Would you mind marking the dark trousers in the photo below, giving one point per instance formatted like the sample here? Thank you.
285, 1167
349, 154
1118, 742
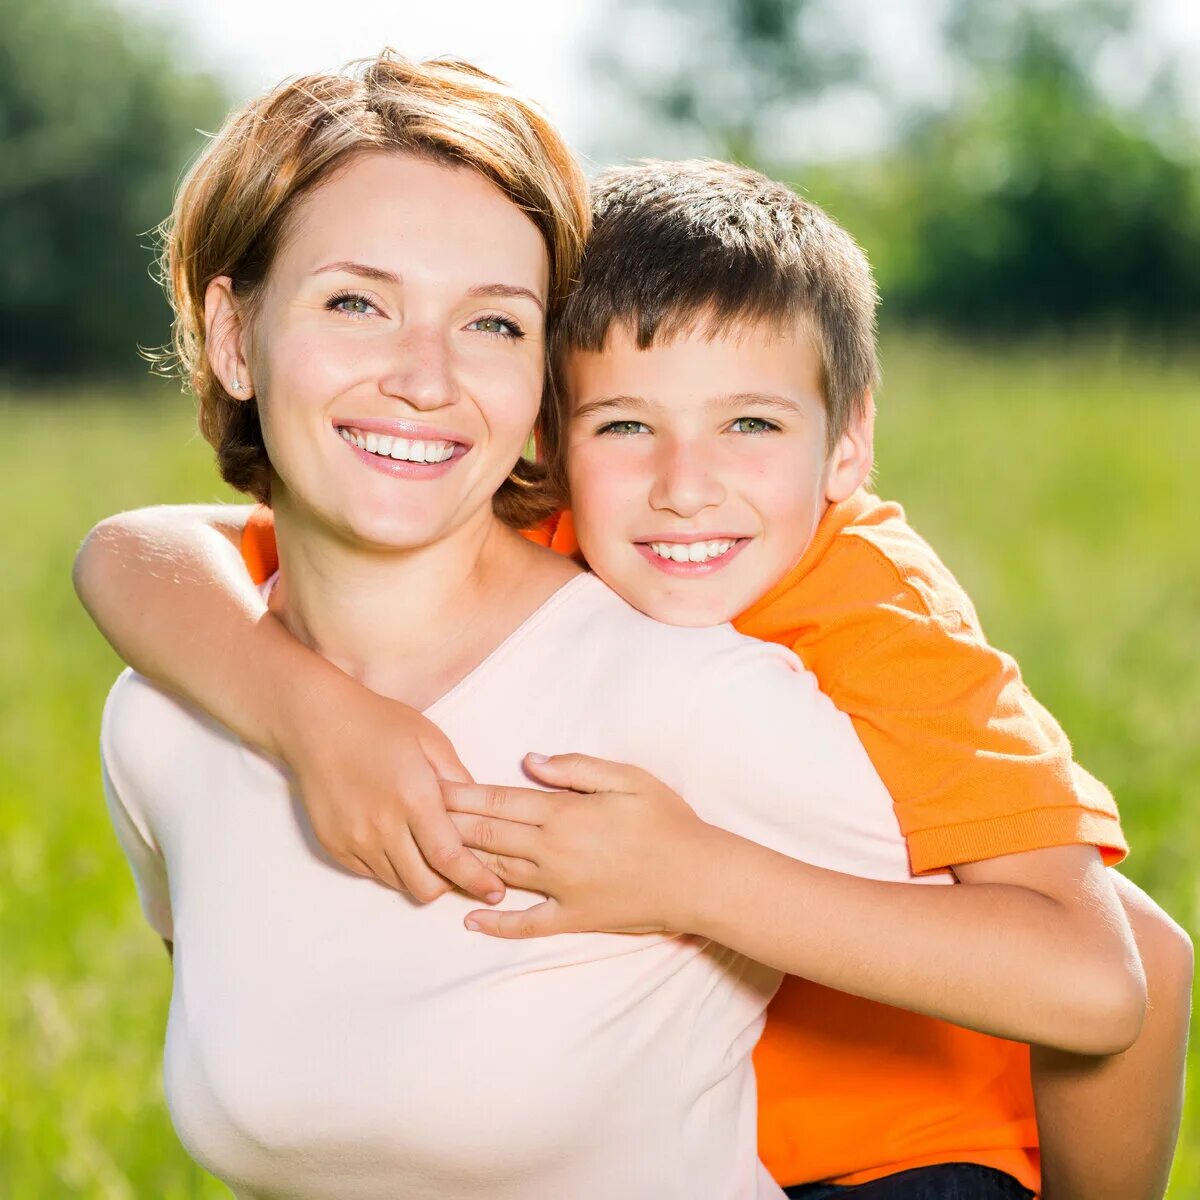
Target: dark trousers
945, 1181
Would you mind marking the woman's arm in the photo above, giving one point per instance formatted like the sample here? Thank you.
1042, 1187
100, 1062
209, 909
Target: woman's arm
1108, 1126
167, 587
1033, 948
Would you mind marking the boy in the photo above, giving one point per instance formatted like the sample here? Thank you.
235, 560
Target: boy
718, 358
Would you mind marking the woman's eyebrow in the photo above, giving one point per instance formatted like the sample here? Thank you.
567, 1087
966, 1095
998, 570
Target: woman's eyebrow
505, 289
382, 276
353, 268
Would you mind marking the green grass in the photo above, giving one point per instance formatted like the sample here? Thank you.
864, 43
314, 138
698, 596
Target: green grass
1056, 481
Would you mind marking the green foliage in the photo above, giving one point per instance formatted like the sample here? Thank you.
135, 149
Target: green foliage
1054, 481
1037, 202
1027, 198
97, 122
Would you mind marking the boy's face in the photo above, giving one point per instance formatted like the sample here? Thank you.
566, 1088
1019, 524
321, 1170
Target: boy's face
698, 468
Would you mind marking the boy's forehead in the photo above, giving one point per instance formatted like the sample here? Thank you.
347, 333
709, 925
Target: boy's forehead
718, 358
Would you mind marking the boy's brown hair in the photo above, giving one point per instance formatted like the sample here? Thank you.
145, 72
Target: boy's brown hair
234, 208
676, 243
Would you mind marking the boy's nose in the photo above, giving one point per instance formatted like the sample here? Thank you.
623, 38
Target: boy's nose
685, 481
420, 370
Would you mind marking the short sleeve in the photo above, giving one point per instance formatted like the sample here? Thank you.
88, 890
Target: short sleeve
773, 760
259, 551
976, 766
119, 739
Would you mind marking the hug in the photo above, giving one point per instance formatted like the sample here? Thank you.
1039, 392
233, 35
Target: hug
786, 879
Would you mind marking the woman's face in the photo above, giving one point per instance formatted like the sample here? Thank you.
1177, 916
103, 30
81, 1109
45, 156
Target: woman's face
397, 355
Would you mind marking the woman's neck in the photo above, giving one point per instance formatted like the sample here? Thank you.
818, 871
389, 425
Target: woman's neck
394, 619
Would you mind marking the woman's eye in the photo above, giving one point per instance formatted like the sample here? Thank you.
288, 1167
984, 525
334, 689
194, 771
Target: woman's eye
753, 425
351, 304
498, 327
624, 428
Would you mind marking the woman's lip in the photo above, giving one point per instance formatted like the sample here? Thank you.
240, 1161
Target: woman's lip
391, 427
399, 468
685, 569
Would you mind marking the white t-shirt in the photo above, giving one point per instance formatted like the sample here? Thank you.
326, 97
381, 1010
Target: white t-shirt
330, 1038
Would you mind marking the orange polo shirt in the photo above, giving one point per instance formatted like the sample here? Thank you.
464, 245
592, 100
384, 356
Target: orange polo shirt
851, 1090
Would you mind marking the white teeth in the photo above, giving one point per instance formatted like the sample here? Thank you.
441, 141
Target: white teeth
398, 448
692, 552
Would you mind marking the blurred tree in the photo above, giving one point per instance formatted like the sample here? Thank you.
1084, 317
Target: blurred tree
724, 71
97, 121
1035, 198
1026, 196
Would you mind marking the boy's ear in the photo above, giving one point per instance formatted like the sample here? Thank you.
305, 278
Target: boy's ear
853, 457
224, 339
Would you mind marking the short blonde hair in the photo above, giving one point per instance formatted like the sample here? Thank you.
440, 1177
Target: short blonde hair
232, 211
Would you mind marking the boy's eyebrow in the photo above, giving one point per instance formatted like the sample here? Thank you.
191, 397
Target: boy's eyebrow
605, 404
383, 276
765, 399
732, 400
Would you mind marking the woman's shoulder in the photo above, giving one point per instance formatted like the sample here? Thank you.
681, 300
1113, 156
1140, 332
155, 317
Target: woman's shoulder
149, 738
604, 626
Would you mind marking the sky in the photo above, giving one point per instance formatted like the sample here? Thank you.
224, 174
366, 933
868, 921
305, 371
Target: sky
541, 46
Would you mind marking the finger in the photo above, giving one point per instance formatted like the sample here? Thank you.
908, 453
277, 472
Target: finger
497, 836
443, 850
417, 877
384, 870
542, 920
583, 773
525, 805
516, 872
443, 758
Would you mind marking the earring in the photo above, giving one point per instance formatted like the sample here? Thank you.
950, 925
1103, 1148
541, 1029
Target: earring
235, 385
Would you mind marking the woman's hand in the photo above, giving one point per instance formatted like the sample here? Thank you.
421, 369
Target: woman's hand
368, 770
616, 851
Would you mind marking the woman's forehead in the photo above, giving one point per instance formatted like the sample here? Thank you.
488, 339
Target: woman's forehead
415, 218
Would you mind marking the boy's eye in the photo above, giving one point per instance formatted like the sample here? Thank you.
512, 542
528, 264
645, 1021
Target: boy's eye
624, 428
753, 425
498, 327
350, 303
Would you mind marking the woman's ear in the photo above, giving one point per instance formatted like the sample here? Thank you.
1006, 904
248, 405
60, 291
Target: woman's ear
225, 338
853, 457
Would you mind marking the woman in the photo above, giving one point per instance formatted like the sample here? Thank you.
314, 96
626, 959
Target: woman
362, 271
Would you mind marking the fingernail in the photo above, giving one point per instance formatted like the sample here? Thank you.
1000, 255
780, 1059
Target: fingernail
538, 758
473, 926
494, 897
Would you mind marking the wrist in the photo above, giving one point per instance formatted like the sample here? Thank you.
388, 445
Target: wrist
691, 875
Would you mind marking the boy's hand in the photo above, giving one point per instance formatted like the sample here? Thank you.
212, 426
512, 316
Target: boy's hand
368, 771
618, 852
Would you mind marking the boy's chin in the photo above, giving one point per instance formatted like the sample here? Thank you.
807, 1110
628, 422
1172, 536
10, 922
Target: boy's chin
698, 613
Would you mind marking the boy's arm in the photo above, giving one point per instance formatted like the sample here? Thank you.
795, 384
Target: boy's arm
168, 588
1037, 949
1108, 1126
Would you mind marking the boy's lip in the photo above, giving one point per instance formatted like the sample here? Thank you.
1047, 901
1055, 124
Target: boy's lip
691, 569
686, 539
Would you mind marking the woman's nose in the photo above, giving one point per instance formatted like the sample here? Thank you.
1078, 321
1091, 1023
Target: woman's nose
686, 480
421, 369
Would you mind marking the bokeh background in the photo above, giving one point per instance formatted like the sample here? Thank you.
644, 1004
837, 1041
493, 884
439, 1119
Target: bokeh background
1024, 174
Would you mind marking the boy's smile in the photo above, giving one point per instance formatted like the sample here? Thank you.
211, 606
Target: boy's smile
698, 467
